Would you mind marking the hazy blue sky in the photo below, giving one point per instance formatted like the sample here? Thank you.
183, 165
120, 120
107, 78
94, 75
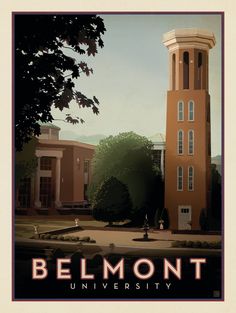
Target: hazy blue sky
131, 76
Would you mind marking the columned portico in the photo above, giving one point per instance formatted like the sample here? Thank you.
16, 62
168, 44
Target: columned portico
55, 153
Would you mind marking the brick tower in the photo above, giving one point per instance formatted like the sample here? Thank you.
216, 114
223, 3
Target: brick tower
188, 138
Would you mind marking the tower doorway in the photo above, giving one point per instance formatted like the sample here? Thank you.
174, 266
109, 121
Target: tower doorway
184, 217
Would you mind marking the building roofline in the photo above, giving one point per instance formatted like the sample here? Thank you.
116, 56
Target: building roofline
67, 143
201, 37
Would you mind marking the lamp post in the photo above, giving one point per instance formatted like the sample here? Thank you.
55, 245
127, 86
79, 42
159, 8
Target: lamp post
145, 228
36, 230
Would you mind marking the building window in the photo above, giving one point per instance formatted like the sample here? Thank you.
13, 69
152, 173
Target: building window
180, 139
86, 178
180, 111
190, 142
186, 71
45, 163
179, 178
46, 192
86, 166
191, 110
190, 178
184, 210
24, 196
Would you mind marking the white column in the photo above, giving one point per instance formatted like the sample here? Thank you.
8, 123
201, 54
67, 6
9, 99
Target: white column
58, 182
37, 202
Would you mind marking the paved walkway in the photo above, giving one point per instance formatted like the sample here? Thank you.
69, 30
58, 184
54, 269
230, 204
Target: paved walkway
125, 238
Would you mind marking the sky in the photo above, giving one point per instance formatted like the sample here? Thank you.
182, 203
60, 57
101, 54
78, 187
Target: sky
131, 76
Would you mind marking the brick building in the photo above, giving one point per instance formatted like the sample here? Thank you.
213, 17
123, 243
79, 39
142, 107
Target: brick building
62, 176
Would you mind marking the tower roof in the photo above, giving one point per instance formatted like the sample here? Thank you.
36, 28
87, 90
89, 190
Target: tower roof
189, 37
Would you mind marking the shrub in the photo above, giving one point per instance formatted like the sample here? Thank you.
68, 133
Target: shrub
205, 245
162, 215
87, 239
112, 201
203, 220
189, 244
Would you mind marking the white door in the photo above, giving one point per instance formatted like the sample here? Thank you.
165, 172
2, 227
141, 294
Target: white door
184, 217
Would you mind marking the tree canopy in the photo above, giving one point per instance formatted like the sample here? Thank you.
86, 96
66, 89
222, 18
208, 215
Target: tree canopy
44, 73
25, 161
112, 201
127, 157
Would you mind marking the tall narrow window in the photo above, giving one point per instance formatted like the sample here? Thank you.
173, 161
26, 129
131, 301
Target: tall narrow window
191, 110
190, 178
179, 178
180, 139
186, 71
180, 111
173, 72
190, 142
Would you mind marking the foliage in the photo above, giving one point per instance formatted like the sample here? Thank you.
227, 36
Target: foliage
128, 157
215, 196
25, 161
162, 214
155, 198
203, 220
45, 73
112, 202
196, 244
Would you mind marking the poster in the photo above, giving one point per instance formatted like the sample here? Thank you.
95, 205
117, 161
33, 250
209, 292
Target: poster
153, 299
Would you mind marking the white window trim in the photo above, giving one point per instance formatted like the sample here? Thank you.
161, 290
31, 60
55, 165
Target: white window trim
192, 178
189, 111
180, 130
178, 178
179, 120
190, 130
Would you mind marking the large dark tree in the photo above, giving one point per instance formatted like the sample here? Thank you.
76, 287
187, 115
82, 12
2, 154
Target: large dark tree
112, 201
127, 157
44, 70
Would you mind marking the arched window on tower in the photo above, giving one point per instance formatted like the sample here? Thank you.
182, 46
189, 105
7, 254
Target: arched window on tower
180, 178
180, 144
199, 71
186, 71
191, 110
173, 72
191, 142
180, 116
190, 178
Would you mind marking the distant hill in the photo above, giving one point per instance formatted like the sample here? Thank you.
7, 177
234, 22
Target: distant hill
92, 139
216, 158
